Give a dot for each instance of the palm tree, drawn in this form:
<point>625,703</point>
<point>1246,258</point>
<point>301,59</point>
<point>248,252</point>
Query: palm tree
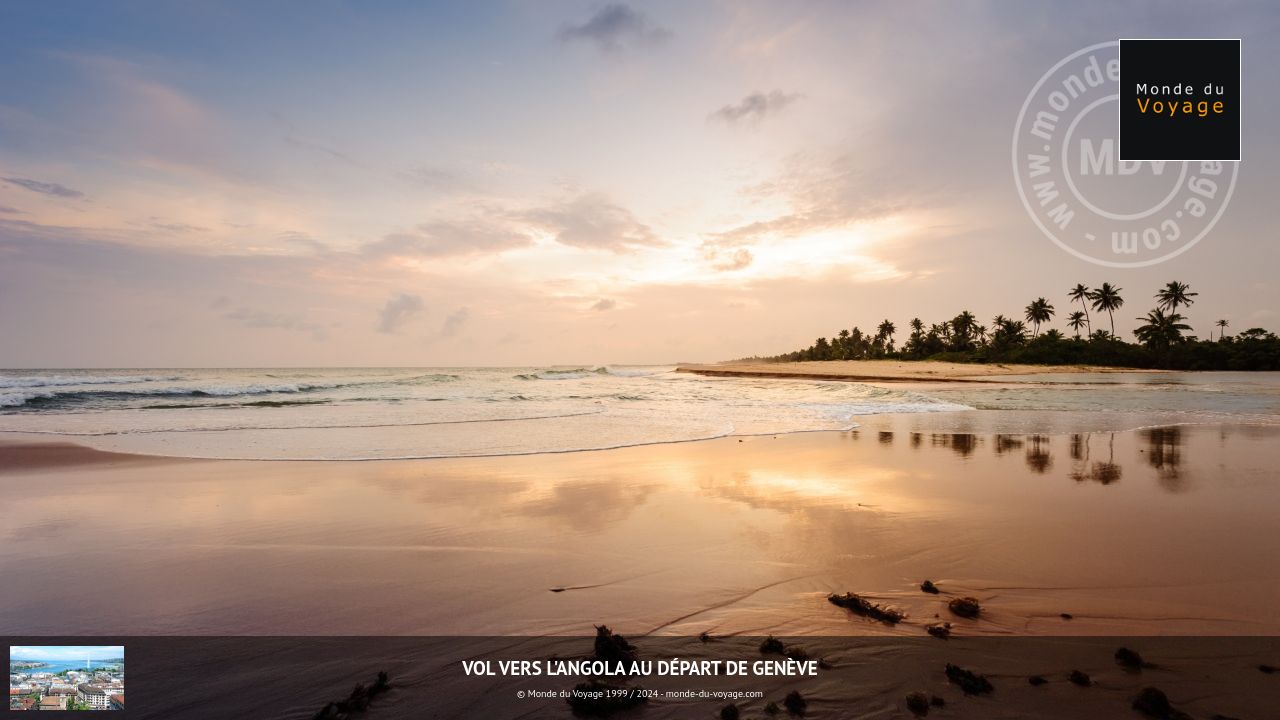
<point>1008,332</point>
<point>1080,294</point>
<point>963,326</point>
<point>1174,294</point>
<point>885,332</point>
<point>1107,298</point>
<point>1039,311</point>
<point>1222,329</point>
<point>1077,320</point>
<point>1160,330</point>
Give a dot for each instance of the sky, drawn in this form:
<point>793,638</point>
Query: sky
<point>532,182</point>
<point>66,652</point>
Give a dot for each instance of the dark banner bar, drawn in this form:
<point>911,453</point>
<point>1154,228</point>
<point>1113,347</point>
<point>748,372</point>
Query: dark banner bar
<point>326,678</point>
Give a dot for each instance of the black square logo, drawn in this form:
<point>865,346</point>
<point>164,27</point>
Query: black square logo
<point>1179,99</point>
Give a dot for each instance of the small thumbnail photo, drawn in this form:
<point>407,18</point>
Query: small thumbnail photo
<point>66,677</point>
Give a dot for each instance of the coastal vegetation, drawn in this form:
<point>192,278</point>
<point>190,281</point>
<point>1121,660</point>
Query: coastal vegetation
<point>1164,339</point>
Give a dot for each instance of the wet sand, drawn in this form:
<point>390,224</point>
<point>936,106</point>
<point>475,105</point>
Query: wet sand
<point>1138,528</point>
<point>1154,531</point>
<point>889,370</point>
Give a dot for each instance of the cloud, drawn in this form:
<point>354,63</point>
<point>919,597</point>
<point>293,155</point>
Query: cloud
<point>614,27</point>
<point>827,194</point>
<point>45,188</point>
<point>455,322</point>
<point>446,238</point>
<point>66,652</point>
<point>10,210</point>
<point>264,319</point>
<point>302,241</point>
<point>176,227</point>
<point>604,304</point>
<point>727,260</point>
<point>755,107</point>
<point>399,309</point>
<point>322,148</point>
<point>593,222</point>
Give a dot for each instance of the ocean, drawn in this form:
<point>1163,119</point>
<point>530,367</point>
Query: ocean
<point>374,413</point>
<point>57,666</point>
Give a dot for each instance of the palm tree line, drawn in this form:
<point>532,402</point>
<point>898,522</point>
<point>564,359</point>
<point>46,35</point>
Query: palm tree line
<point>1162,327</point>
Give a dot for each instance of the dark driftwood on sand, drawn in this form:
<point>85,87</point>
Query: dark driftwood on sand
<point>970,682</point>
<point>861,606</point>
<point>357,702</point>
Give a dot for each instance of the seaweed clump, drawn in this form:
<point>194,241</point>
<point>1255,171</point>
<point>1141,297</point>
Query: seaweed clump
<point>729,712</point>
<point>795,703</point>
<point>970,682</point>
<point>612,647</point>
<point>600,699</point>
<point>861,606</point>
<point>1152,702</point>
<point>965,607</point>
<point>919,703</point>
<point>772,646</point>
<point>1080,678</point>
<point>939,630</point>
<point>929,587</point>
<point>1130,659</point>
<point>357,702</point>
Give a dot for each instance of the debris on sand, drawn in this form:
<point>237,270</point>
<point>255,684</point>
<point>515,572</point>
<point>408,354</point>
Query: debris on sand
<point>939,630</point>
<point>599,699</point>
<point>1037,680</point>
<point>729,712</point>
<point>798,654</point>
<point>772,646</point>
<point>971,683</point>
<point>357,702</point>
<point>918,704</point>
<point>1130,659</point>
<point>965,607</point>
<point>795,703</point>
<point>1066,616</point>
<point>704,637</point>
<point>612,647</point>
<point>861,606</point>
<point>1154,703</point>
<point>1268,669</point>
<point>1079,678</point>
<point>929,587</point>
<point>772,708</point>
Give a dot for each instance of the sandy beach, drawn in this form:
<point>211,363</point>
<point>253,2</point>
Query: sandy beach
<point>1136,530</point>
<point>890,370</point>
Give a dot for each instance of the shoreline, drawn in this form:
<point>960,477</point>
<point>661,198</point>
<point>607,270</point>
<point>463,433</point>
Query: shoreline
<point>896,370</point>
<point>763,524</point>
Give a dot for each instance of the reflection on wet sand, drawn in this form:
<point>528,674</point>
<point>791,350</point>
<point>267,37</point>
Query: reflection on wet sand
<point>1164,453</point>
<point>720,535</point>
<point>1103,472</point>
